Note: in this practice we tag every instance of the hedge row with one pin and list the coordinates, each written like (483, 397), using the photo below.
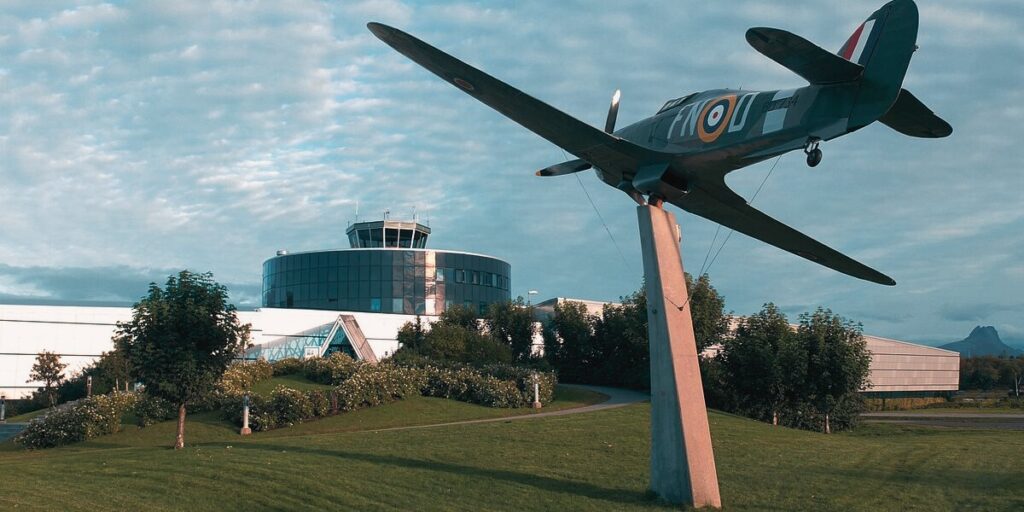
(367, 386)
(77, 421)
(357, 385)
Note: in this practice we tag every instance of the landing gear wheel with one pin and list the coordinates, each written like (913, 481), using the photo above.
(814, 157)
(812, 151)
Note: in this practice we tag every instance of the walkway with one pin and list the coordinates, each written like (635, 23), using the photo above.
(616, 398)
(9, 430)
(946, 419)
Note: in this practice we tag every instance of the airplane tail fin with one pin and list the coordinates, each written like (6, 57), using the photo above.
(883, 44)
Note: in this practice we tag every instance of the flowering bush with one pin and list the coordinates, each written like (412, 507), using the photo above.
(371, 385)
(240, 377)
(493, 386)
(289, 406)
(150, 409)
(331, 370)
(77, 421)
(287, 366)
(524, 378)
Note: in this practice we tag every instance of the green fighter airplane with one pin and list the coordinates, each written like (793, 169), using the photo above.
(683, 152)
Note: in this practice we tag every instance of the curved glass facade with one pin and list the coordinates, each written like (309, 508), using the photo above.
(400, 281)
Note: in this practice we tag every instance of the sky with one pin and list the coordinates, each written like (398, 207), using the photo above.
(140, 138)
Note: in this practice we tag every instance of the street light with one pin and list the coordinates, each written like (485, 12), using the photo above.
(529, 296)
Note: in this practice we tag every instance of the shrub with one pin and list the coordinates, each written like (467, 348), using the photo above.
(151, 409)
(289, 406)
(373, 385)
(492, 386)
(77, 421)
(331, 370)
(240, 377)
(287, 366)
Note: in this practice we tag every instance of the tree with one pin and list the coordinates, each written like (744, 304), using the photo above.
(620, 346)
(456, 343)
(181, 339)
(512, 323)
(49, 370)
(567, 340)
(707, 309)
(761, 364)
(838, 363)
(411, 335)
(463, 316)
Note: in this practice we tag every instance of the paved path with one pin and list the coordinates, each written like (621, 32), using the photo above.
(9, 430)
(945, 419)
(616, 398)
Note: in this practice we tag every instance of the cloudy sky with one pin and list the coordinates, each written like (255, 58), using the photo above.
(140, 138)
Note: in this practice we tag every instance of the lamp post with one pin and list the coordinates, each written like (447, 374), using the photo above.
(529, 296)
(88, 385)
(245, 415)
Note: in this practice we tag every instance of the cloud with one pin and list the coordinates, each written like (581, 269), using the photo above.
(206, 135)
(976, 312)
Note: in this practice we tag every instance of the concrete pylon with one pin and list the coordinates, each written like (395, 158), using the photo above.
(682, 461)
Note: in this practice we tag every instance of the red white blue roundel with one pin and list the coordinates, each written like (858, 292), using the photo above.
(715, 117)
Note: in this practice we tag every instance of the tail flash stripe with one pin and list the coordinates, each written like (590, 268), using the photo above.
(862, 41)
(851, 43)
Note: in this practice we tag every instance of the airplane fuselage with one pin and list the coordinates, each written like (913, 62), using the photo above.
(739, 127)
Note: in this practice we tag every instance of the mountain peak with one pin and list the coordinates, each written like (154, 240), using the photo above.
(984, 332)
(983, 341)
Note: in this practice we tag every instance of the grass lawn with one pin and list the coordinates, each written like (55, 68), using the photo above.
(294, 381)
(21, 418)
(592, 461)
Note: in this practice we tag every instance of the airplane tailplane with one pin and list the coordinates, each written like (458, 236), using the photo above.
(883, 44)
(911, 117)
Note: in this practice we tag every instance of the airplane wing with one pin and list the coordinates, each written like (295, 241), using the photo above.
(716, 202)
(591, 144)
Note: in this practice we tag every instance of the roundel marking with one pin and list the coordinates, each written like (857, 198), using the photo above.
(714, 118)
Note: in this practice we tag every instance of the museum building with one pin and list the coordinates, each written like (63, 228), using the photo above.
(314, 303)
(355, 300)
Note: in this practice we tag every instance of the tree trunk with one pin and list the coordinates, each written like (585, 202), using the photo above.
(828, 428)
(179, 442)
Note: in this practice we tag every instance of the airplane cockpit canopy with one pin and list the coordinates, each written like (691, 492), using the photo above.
(676, 102)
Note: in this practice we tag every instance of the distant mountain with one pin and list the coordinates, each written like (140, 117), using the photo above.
(983, 341)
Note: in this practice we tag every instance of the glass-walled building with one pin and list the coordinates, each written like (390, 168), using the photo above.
(387, 271)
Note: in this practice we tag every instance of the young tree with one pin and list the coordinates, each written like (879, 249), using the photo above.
(512, 323)
(180, 340)
(837, 362)
(460, 315)
(707, 309)
(760, 363)
(620, 347)
(49, 370)
(567, 340)
(411, 335)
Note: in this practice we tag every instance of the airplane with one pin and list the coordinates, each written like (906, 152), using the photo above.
(682, 154)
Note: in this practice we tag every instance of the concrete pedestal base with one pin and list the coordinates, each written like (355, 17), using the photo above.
(245, 431)
(537, 405)
(682, 462)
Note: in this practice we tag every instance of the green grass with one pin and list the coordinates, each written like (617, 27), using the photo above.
(22, 418)
(293, 381)
(593, 461)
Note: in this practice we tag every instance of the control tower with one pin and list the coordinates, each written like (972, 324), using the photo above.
(386, 269)
(387, 233)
